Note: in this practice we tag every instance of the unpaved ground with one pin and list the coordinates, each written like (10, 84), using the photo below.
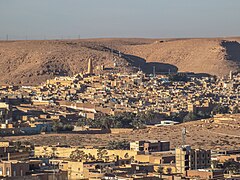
(199, 134)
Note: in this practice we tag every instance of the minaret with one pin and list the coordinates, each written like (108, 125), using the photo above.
(230, 75)
(90, 67)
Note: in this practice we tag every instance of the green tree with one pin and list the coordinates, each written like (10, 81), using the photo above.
(214, 163)
(202, 115)
(78, 155)
(169, 170)
(91, 157)
(190, 117)
(82, 121)
(219, 109)
(45, 151)
(101, 154)
(231, 167)
(123, 145)
(44, 129)
(235, 110)
(18, 145)
(138, 123)
(54, 152)
(160, 171)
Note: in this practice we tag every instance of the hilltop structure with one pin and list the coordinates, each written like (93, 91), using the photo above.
(90, 67)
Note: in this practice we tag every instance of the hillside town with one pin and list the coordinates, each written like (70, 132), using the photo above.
(88, 99)
(104, 103)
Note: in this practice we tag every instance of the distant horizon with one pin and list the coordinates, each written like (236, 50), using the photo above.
(156, 19)
(92, 38)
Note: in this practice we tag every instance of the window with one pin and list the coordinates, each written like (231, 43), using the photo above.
(1, 171)
(8, 171)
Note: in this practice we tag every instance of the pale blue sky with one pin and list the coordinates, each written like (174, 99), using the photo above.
(119, 18)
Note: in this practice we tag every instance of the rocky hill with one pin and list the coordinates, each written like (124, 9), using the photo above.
(32, 62)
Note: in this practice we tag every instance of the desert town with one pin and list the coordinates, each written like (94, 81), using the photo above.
(114, 103)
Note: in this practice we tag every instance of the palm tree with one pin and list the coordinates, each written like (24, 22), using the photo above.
(132, 159)
(45, 151)
(91, 157)
(78, 155)
(214, 163)
(101, 153)
(160, 171)
(231, 166)
(54, 152)
(18, 145)
(169, 170)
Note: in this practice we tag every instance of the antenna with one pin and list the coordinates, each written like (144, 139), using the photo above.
(184, 132)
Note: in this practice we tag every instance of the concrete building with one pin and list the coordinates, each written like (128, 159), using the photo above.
(150, 146)
(192, 159)
(13, 168)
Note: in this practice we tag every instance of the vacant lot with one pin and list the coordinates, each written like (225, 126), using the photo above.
(200, 134)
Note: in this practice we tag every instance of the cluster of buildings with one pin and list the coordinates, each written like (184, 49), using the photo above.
(35, 109)
(144, 160)
(32, 109)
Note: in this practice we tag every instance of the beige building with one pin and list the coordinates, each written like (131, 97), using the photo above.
(86, 170)
(192, 159)
(13, 168)
(150, 146)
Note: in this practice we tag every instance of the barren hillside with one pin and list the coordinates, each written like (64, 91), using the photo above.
(32, 62)
(212, 56)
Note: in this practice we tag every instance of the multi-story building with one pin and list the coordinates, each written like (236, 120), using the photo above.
(13, 168)
(150, 146)
(192, 159)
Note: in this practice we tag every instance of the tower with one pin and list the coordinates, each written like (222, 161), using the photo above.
(90, 67)
(230, 75)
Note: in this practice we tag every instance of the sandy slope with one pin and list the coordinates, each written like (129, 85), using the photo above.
(32, 62)
(196, 55)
